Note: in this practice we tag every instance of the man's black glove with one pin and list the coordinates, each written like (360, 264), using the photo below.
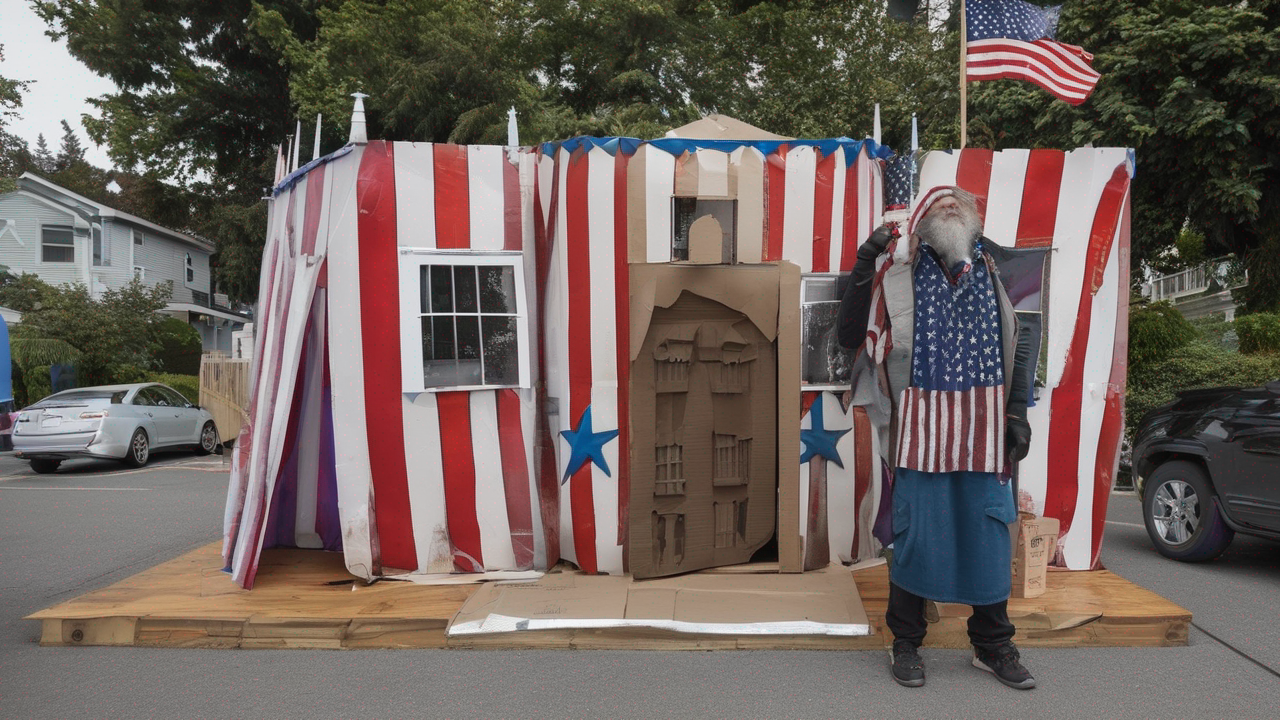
(876, 243)
(1017, 437)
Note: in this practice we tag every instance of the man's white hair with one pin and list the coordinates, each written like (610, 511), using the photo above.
(952, 233)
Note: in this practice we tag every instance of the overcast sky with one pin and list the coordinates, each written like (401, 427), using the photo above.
(61, 85)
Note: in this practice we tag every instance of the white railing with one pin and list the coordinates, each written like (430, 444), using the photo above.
(1193, 280)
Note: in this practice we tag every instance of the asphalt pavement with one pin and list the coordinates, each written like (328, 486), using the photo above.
(94, 523)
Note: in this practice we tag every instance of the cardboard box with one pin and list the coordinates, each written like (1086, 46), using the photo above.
(1037, 542)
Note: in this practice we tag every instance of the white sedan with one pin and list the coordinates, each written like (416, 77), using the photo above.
(121, 422)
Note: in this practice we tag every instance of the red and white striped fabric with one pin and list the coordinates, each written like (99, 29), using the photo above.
(297, 235)
(586, 343)
(853, 490)
(947, 431)
(430, 482)
(1078, 203)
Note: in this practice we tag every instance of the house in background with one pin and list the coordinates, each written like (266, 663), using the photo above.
(1202, 290)
(63, 238)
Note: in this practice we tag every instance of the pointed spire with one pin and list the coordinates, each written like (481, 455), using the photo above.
(358, 133)
(513, 136)
(297, 145)
(315, 150)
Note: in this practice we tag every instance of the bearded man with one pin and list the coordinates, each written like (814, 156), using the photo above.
(945, 340)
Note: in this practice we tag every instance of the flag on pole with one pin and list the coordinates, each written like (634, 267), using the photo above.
(1014, 39)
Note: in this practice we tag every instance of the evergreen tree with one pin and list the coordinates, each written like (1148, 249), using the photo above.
(43, 160)
(71, 151)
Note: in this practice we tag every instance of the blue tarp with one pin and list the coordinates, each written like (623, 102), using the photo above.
(6, 368)
(679, 146)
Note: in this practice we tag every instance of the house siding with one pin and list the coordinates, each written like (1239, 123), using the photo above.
(28, 215)
(165, 261)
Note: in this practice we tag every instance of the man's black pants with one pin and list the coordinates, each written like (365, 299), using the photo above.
(989, 625)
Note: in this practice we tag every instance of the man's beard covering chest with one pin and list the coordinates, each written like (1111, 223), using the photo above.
(952, 232)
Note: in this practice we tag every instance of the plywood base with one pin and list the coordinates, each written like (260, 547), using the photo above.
(306, 598)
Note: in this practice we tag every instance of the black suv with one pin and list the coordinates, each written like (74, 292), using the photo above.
(1207, 466)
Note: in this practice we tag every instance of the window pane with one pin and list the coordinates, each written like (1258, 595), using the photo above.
(820, 290)
(442, 336)
(469, 365)
(468, 338)
(58, 253)
(823, 361)
(424, 291)
(441, 288)
(97, 247)
(428, 348)
(464, 287)
(501, 351)
(497, 289)
(57, 236)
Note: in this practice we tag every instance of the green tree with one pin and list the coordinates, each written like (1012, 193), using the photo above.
(115, 330)
(71, 152)
(202, 99)
(1192, 86)
(14, 155)
(42, 159)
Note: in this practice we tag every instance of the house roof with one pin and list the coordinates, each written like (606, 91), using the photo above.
(29, 181)
(723, 127)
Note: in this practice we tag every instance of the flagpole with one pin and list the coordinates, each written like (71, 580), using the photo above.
(964, 94)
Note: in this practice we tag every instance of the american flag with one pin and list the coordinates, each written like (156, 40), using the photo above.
(951, 419)
(898, 175)
(1014, 39)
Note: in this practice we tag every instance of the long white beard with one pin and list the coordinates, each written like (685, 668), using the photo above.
(951, 236)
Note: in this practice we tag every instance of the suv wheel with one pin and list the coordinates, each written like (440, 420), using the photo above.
(1181, 513)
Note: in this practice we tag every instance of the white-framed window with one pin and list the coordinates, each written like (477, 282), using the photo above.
(57, 244)
(463, 320)
(685, 211)
(824, 364)
(190, 270)
(137, 238)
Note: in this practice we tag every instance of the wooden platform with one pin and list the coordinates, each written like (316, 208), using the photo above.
(307, 599)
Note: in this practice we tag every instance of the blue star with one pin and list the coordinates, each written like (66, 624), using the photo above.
(586, 445)
(819, 441)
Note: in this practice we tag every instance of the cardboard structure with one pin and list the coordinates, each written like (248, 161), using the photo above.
(477, 358)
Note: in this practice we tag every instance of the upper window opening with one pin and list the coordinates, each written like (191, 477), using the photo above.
(689, 210)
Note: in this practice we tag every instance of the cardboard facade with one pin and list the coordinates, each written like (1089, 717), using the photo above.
(535, 287)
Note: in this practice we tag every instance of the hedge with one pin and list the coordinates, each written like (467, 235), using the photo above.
(1259, 333)
(1198, 365)
(1156, 331)
(188, 385)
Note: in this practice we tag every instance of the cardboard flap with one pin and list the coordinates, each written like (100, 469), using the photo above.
(737, 287)
(825, 602)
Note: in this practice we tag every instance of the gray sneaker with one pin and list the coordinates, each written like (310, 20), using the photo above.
(1003, 662)
(908, 666)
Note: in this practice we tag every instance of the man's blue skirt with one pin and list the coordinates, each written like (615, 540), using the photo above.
(951, 539)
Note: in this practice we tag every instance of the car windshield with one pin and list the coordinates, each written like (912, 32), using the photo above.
(76, 398)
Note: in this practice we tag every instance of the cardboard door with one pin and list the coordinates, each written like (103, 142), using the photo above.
(704, 448)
